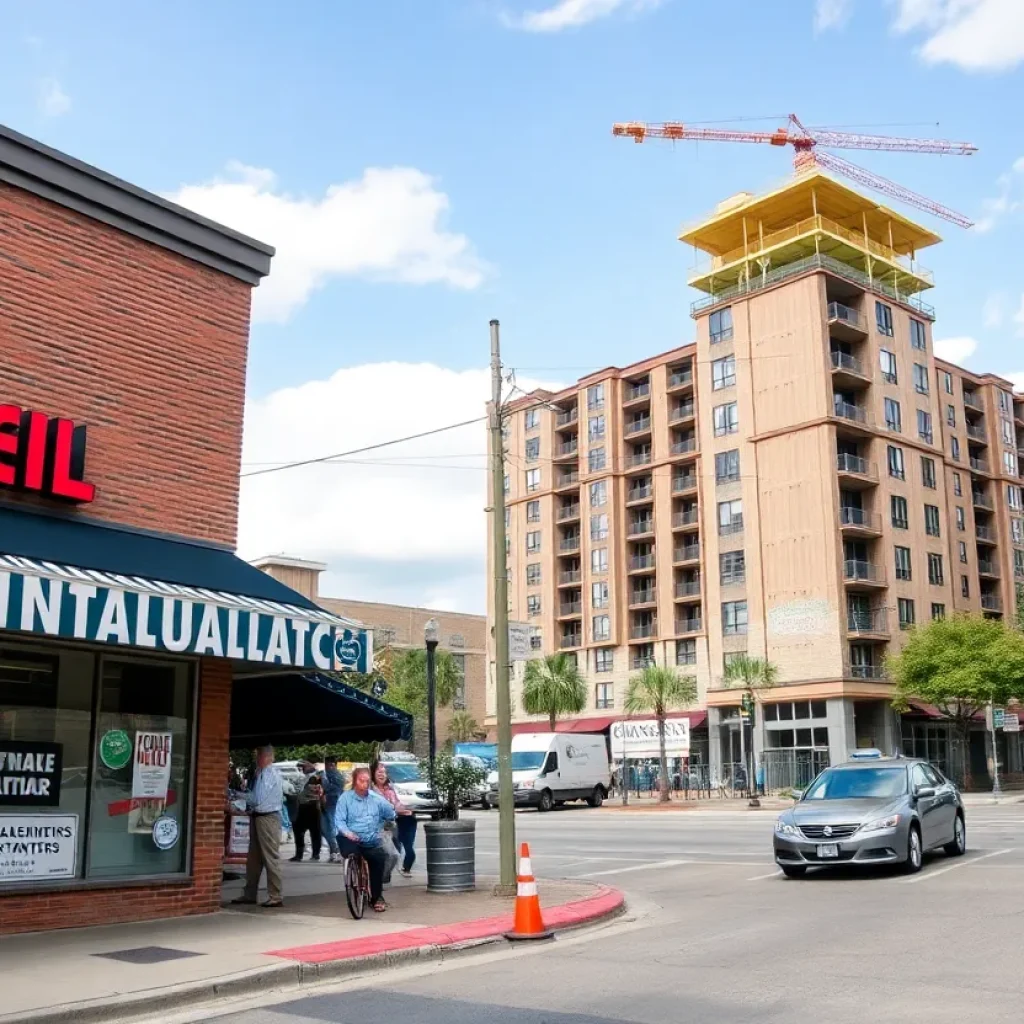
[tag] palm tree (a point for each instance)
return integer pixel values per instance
(463, 727)
(752, 674)
(553, 686)
(657, 690)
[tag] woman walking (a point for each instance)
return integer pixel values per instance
(405, 821)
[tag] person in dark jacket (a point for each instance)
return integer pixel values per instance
(311, 799)
(334, 786)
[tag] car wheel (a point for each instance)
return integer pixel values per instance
(793, 870)
(915, 852)
(547, 801)
(958, 846)
(596, 798)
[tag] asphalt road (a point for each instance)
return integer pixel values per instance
(715, 935)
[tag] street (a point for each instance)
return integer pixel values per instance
(714, 934)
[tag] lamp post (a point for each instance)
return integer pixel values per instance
(431, 637)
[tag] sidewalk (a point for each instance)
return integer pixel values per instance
(109, 973)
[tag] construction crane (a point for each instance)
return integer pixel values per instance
(807, 142)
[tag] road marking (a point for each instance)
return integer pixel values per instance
(654, 865)
(761, 878)
(963, 863)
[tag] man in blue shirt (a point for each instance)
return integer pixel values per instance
(264, 801)
(360, 816)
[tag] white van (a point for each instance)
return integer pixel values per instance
(549, 768)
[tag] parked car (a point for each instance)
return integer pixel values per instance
(481, 792)
(872, 810)
(413, 790)
(549, 768)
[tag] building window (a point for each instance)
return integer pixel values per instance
(1017, 530)
(531, 419)
(533, 542)
(924, 426)
(532, 480)
(920, 379)
(602, 627)
(596, 459)
(928, 471)
(887, 360)
(730, 517)
(686, 652)
(965, 587)
(903, 563)
(895, 459)
(947, 382)
(533, 511)
(1018, 563)
(604, 659)
(1010, 463)
(1008, 432)
(720, 325)
(962, 547)
(1005, 402)
(599, 560)
(727, 466)
(507, 483)
(599, 594)
(727, 419)
(906, 612)
(599, 494)
(604, 694)
(883, 319)
(734, 618)
(917, 335)
(533, 605)
(536, 642)
(931, 520)
(508, 518)
(595, 427)
(935, 573)
(599, 526)
(954, 448)
(532, 574)
(958, 487)
(961, 519)
(723, 373)
(1013, 497)
(938, 612)
(595, 396)
(532, 449)
(893, 416)
(732, 566)
(898, 512)
(951, 416)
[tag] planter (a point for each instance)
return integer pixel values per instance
(451, 856)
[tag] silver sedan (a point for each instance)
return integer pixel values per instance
(871, 811)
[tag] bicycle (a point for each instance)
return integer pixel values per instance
(357, 884)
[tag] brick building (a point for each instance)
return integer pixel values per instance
(126, 621)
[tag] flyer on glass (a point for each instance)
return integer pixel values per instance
(151, 777)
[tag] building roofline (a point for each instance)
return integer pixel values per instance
(980, 378)
(403, 607)
(287, 562)
(30, 165)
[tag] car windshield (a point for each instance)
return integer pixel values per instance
(527, 760)
(858, 784)
(403, 772)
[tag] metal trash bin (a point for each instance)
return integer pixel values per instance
(451, 856)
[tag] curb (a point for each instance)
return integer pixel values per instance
(306, 966)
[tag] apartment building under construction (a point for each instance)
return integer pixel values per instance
(803, 483)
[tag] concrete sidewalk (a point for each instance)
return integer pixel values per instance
(111, 973)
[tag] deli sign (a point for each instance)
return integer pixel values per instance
(43, 455)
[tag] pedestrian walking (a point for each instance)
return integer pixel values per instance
(334, 786)
(405, 823)
(311, 799)
(264, 800)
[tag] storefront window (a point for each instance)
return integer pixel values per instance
(139, 813)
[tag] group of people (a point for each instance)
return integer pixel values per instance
(353, 821)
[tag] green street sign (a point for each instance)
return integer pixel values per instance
(115, 749)
(998, 717)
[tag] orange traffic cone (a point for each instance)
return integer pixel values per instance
(528, 923)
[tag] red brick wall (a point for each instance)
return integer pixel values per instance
(43, 911)
(145, 347)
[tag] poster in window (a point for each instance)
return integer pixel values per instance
(35, 846)
(151, 777)
(30, 773)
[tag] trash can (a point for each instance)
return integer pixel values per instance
(451, 856)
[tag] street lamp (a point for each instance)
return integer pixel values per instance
(431, 636)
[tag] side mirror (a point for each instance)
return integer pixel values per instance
(924, 792)
(798, 795)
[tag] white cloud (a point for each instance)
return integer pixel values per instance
(975, 35)
(574, 13)
(403, 524)
(829, 14)
(1017, 379)
(386, 225)
(1008, 200)
(53, 100)
(956, 350)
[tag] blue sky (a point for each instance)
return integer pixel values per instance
(500, 191)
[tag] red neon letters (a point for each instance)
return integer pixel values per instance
(43, 455)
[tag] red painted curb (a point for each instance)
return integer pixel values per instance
(605, 901)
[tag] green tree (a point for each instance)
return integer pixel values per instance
(657, 690)
(960, 665)
(463, 727)
(407, 687)
(453, 780)
(751, 673)
(553, 686)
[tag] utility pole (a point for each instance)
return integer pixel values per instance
(506, 796)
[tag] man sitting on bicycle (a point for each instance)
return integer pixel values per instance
(359, 818)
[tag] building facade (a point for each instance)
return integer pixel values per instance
(803, 483)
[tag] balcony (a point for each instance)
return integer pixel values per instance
(688, 626)
(682, 484)
(643, 631)
(570, 609)
(643, 598)
(689, 553)
(976, 433)
(863, 574)
(688, 518)
(873, 622)
(636, 393)
(567, 417)
(638, 459)
(568, 577)
(846, 323)
(687, 590)
(972, 401)
(985, 534)
(982, 501)
(566, 450)
(637, 425)
(978, 465)
(640, 528)
(849, 370)
(640, 492)
(569, 545)
(569, 640)
(638, 563)
(856, 522)
(875, 672)
(682, 411)
(685, 446)
(567, 481)
(988, 568)
(680, 379)
(851, 416)
(992, 603)
(566, 513)
(854, 472)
